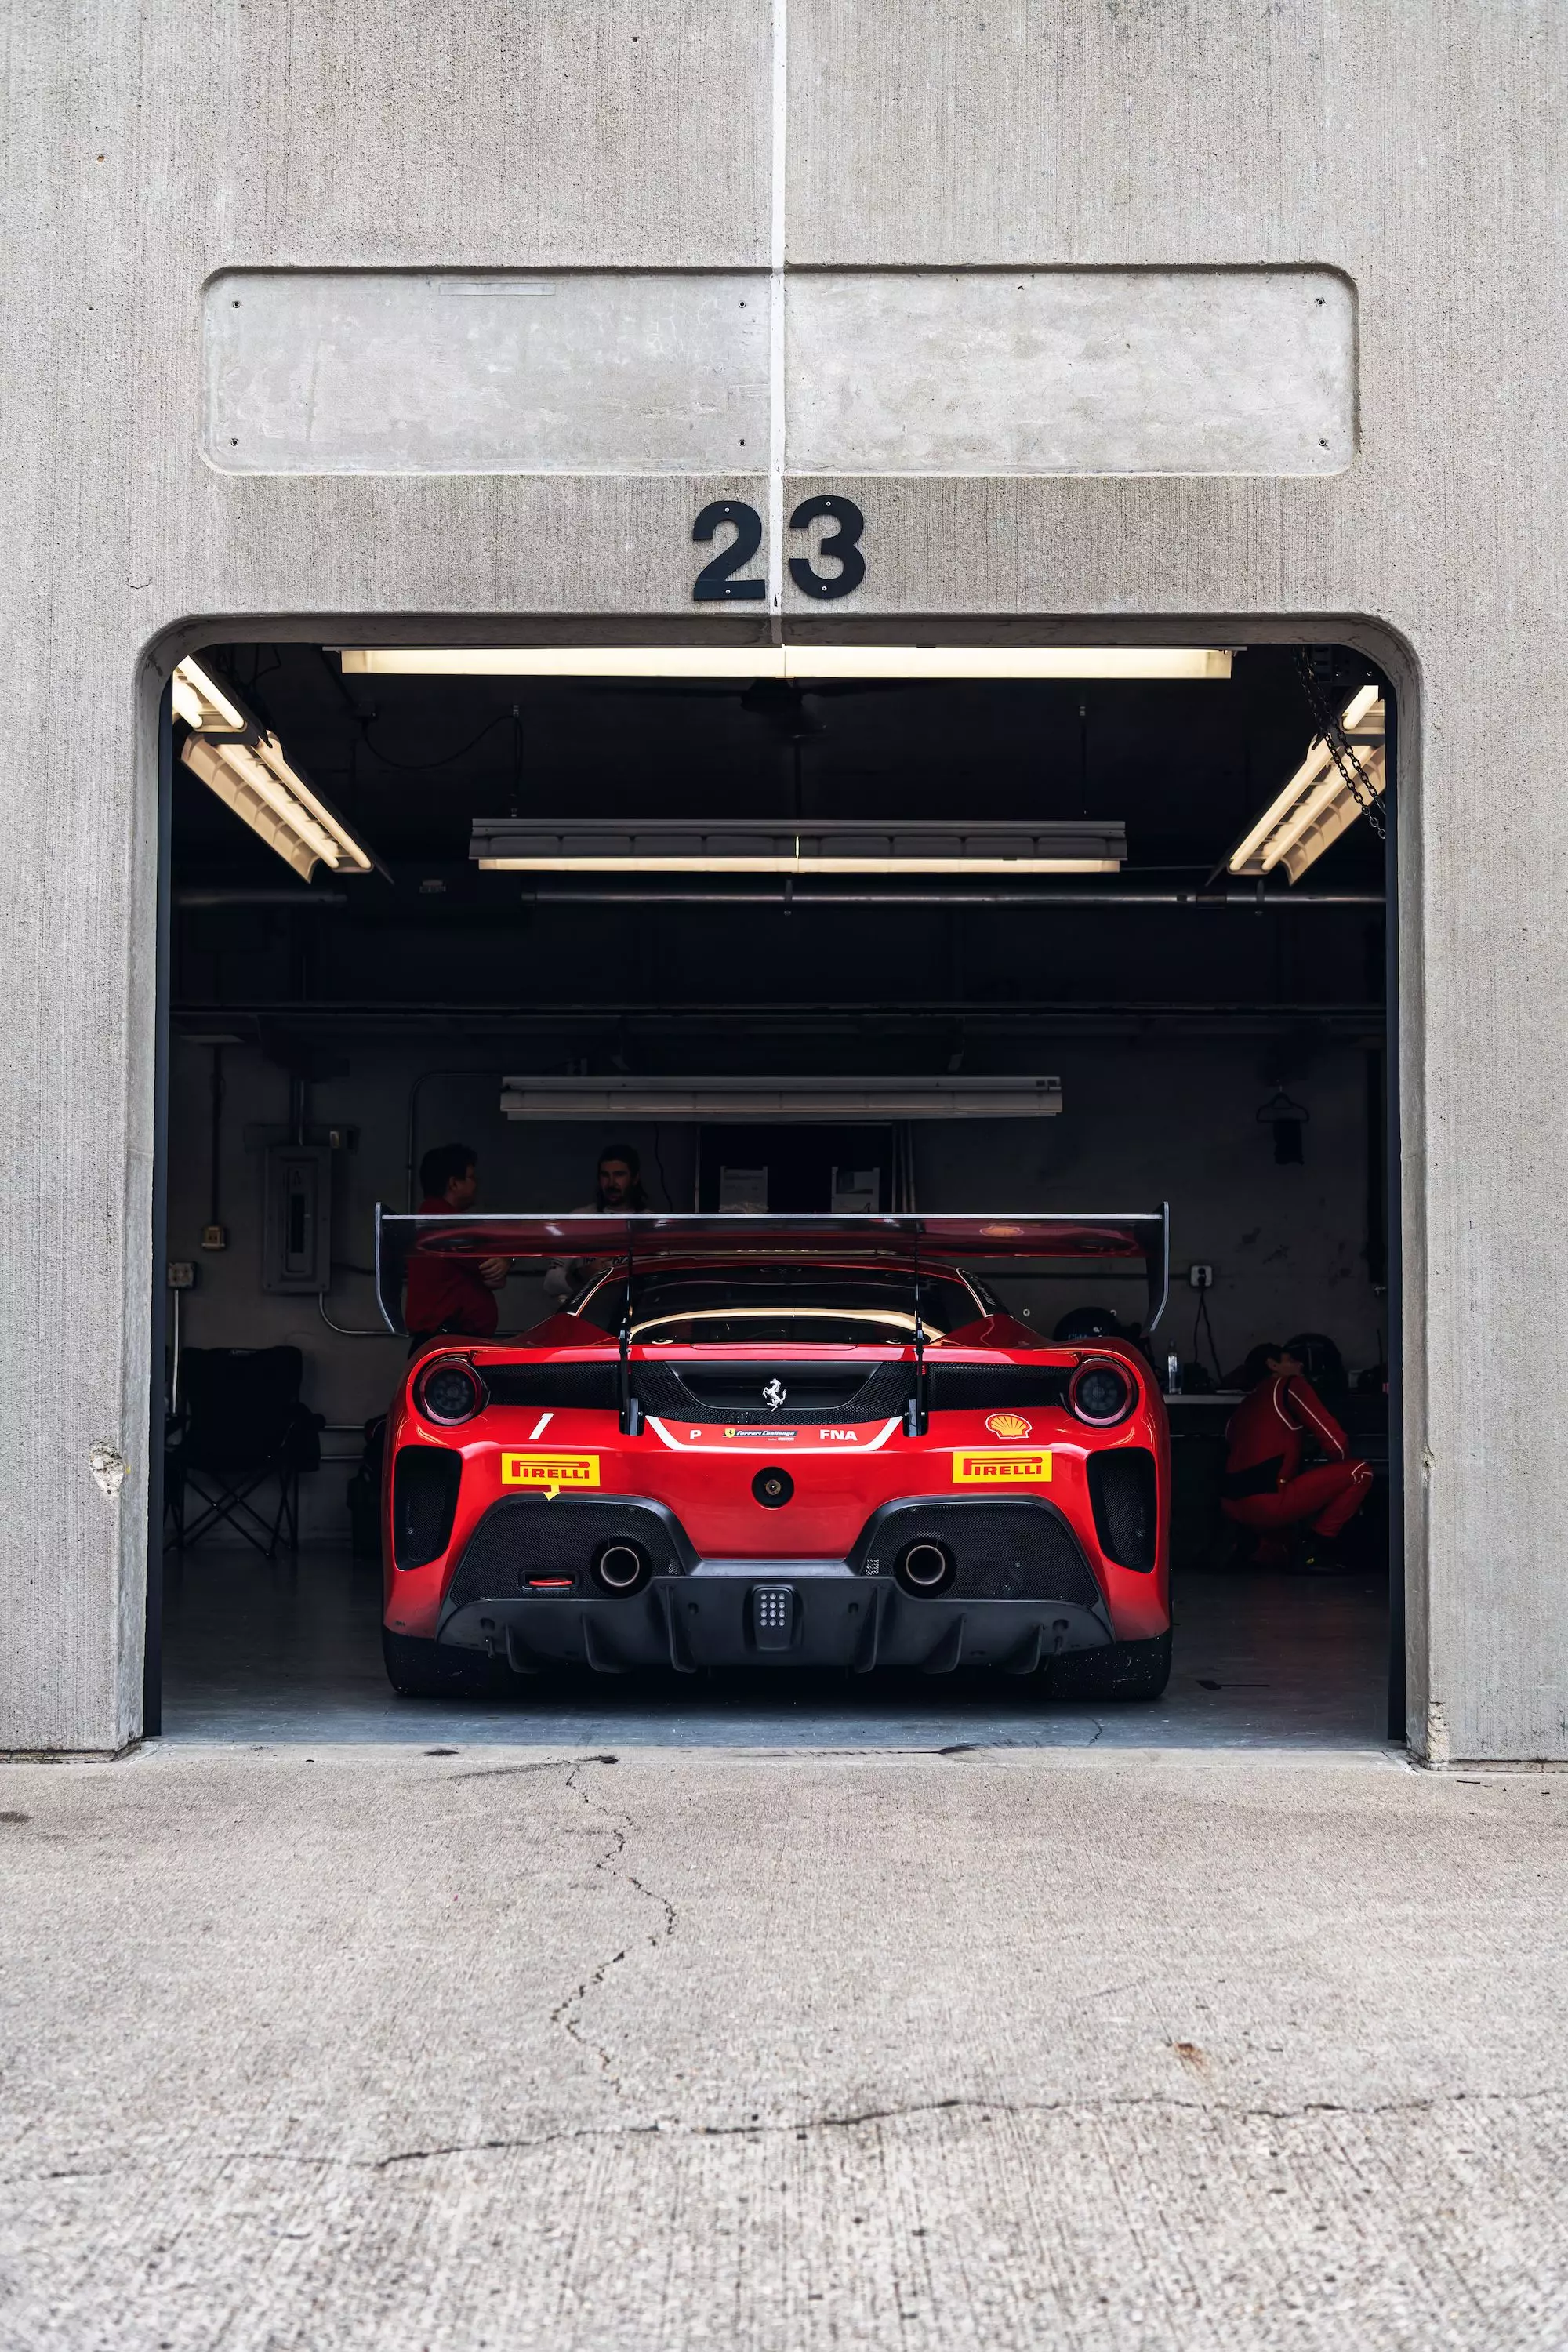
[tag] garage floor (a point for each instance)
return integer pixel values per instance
(290, 1652)
(366, 2050)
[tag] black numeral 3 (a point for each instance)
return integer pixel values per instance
(840, 547)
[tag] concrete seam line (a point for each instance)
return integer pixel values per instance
(778, 225)
(541, 1764)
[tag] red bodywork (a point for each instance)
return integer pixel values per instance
(702, 1470)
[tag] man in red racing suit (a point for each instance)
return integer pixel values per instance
(1265, 1487)
(446, 1295)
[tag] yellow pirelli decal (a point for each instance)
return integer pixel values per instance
(551, 1471)
(1000, 1466)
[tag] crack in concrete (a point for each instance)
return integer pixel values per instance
(860, 2119)
(567, 2013)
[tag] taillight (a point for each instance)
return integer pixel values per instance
(1101, 1393)
(450, 1391)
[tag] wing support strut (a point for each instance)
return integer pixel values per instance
(917, 1420)
(631, 1406)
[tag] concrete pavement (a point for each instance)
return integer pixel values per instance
(328, 2048)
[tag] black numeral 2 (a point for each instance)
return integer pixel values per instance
(841, 547)
(715, 583)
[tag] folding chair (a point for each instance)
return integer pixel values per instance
(240, 1424)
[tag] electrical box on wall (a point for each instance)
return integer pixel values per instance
(297, 1218)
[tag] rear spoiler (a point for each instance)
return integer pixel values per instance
(640, 1243)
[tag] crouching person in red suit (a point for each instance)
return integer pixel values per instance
(1265, 1487)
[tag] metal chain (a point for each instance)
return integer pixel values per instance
(1362, 790)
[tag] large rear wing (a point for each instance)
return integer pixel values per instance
(642, 1243)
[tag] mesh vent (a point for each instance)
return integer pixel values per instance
(592, 1388)
(424, 1482)
(812, 1392)
(1001, 1551)
(1122, 1489)
(529, 1535)
(987, 1388)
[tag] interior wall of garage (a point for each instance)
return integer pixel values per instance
(1418, 161)
(1145, 1120)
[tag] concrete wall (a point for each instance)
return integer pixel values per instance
(1142, 1121)
(150, 145)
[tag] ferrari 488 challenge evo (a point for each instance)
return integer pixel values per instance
(778, 1441)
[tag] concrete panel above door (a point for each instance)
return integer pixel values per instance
(1059, 372)
(1071, 371)
(555, 371)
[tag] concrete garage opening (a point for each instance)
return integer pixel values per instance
(886, 930)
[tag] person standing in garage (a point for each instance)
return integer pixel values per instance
(619, 1193)
(1264, 1488)
(448, 1298)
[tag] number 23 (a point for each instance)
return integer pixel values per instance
(716, 582)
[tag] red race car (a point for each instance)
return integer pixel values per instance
(778, 1440)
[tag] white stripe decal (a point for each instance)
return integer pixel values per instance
(846, 1452)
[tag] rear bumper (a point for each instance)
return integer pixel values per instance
(780, 1614)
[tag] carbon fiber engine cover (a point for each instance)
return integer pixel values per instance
(819, 1393)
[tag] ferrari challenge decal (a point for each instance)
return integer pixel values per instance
(551, 1471)
(1008, 1424)
(994, 1465)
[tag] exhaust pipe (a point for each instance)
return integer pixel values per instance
(926, 1568)
(620, 1568)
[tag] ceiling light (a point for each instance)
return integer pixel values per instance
(756, 846)
(1317, 806)
(250, 773)
(826, 662)
(731, 1098)
(203, 705)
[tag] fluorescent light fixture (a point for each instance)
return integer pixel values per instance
(826, 662)
(831, 845)
(203, 705)
(732, 1100)
(250, 774)
(1317, 806)
(799, 865)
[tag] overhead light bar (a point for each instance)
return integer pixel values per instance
(249, 773)
(754, 845)
(1318, 805)
(823, 662)
(729, 1098)
(203, 705)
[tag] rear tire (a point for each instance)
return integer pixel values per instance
(417, 1669)
(1124, 1670)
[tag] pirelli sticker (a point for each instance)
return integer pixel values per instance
(554, 1471)
(1001, 1466)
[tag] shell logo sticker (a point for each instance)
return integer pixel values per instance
(994, 1465)
(1008, 1424)
(551, 1471)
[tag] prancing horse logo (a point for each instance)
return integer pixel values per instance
(774, 1394)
